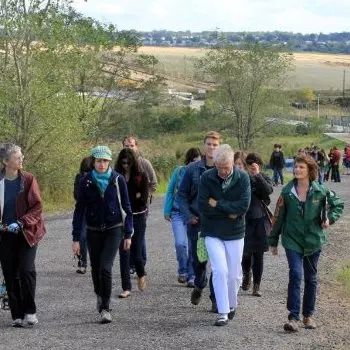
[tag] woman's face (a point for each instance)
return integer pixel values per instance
(239, 164)
(101, 165)
(301, 171)
(15, 162)
(125, 163)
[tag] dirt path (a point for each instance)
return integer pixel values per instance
(162, 317)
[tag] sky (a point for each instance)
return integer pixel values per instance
(298, 16)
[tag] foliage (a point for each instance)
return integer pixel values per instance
(344, 277)
(246, 82)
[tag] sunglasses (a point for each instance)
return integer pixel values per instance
(125, 162)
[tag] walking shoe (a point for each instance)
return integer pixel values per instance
(247, 281)
(81, 270)
(141, 283)
(221, 321)
(231, 314)
(190, 284)
(124, 294)
(291, 325)
(256, 290)
(31, 319)
(196, 295)
(17, 323)
(106, 317)
(98, 303)
(309, 323)
(182, 279)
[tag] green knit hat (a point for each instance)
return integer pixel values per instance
(101, 152)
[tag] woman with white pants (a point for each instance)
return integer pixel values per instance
(223, 199)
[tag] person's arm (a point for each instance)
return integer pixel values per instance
(336, 207)
(283, 162)
(79, 212)
(240, 205)
(124, 198)
(169, 197)
(144, 188)
(184, 193)
(263, 185)
(76, 185)
(272, 164)
(151, 174)
(277, 222)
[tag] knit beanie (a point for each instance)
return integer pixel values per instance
(101, 152)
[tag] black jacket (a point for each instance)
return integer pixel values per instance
(277, 160)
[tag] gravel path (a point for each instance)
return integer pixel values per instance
(162, 317)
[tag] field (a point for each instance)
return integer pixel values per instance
(315, 70)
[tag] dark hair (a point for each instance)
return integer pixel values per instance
(192, 153)
(254, 158)
(130, 155)
(311, 165)
(242, 156)
(277, 145)
(86, 164)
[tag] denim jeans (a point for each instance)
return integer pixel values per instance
(103, 247)
(297, 263)
(182, 245)
(277, 173)
(320, 177)
(200, 269)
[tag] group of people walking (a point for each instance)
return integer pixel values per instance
(218, 206)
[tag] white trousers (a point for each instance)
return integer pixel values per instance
(225, 259)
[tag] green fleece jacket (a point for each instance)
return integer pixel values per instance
(233, 199)
(300, 227)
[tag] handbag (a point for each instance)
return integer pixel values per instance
(123, 213)
(269, 215)
(202, 253)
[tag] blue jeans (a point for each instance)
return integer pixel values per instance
(182, 245)
(277, 173)
(297, 263)
(320, 177)
(200, 269)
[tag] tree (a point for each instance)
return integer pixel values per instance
(246, 81)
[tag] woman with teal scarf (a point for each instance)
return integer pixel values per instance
(102, 197)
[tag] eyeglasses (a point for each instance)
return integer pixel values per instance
(125, 163)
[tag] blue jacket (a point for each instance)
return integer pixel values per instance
(186, 197)
(170, 203)
(100, 212)
(235, 199)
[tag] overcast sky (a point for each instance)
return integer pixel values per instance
(304, 16)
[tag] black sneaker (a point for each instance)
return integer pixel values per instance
(196, 295)
(221, 321)
(231, 314)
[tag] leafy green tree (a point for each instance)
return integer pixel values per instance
(246, 83)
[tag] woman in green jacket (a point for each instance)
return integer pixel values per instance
(301, 217)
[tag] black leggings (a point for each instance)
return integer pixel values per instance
(254, 261)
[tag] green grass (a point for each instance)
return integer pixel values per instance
(343, 276)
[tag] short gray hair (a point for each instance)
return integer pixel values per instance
(223, 154)
(6, 151)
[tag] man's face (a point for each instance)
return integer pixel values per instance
(224, 169)
(210, 145)
(130, 143)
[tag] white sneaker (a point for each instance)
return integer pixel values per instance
(31, 319)
(106, 316)
(18, 323)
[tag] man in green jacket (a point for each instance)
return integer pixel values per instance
(301, 217)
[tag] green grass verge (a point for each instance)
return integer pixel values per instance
(343, 276)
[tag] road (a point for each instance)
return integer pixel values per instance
(162, 317)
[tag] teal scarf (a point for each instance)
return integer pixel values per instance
(102, 179)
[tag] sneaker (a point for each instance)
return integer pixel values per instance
(231, 314)
(256, 290)
(106, 317)
(31, 319)
(17, 323)
(132, 270)
(309, 323)
(247, 281)
(81, 270)
(98, 303)
(141, 283)
(196, 295)
(182, 279)
(222, 320)
(190, 284)
(291, 325)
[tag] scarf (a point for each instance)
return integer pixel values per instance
(227, 181)
(101, 179)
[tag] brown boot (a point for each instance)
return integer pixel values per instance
(247, 281)
(309, 323)
(291, 325)
(141, 283)
(256, 290)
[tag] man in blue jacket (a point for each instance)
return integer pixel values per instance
(188, 203)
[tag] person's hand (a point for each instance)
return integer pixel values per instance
(325, 224)
(274, 250)
(232, 216)
(254, 169)
(167, 217)
(138, 195)
(14, 227)
(76, 248)
(213, 202)
(194, 220)
(127, 243)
